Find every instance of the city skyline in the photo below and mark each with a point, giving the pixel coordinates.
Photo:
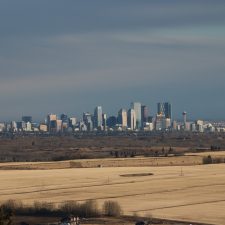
(70, 57)
(152, 110)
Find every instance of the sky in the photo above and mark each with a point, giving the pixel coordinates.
(70, 56)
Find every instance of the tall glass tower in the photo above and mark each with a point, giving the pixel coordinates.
(136, 106)
(165, 109)
(98, 117)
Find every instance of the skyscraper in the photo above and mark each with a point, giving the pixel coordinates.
(136, 106)
(64, 118)
(144, 114)
(87, 118)
(165, 109)
(122, 118)
(131, 117)
(98, 117)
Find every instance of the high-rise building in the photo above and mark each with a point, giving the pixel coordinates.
(104, 121)
(98, 117)
(64, 118)
(72, 122)
(160, 122)
(144, 114)
(58, 125)
(51, 122)
(165, 109)
(111, 121)
(131, 119)
(87, 118)
(122, 118)
(136, 106)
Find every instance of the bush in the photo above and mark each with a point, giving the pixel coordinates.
(112, 208)
(207, 160)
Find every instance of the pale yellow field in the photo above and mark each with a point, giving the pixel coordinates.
(194, 193)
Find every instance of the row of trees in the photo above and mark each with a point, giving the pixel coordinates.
(85, 209)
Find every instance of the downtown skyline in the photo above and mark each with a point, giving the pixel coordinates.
(69, 57)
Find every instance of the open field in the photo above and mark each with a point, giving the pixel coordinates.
(190, 193)
(187, 159)
(114, 162)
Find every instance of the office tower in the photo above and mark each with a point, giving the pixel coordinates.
(144, 114)
(21, 125)
(165, 109)
(64, 118)
(174, 125)
(27, 119)
(111, 121)
(72, 122)
(131, 119)
(28, 127)
(122, 118)
(58, 125)
(184, 117)
(98, 117)
(43, 128)
(51, 122)
(136, 106)
(167, 123)
(160, 122)
(104, 121)
(87, 118)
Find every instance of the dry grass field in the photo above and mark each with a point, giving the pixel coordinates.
(112, 162)
(185, 160)
(190, 193)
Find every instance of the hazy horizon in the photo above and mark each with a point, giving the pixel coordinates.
(70, 56)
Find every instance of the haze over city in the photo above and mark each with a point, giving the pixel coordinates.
(69, 56)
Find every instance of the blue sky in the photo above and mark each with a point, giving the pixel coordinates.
(69, 56)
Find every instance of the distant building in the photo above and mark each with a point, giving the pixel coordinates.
(165, 109)
(136, 106)
(144, 114)
(122, 118)
(2, 127)
(174, 125)
(27, 119)
(28, 127)
(64, 118)
(160, 122)
(58, 125)
(21, 125)
(43, 128)
(104, 121)
(52, 122)
(98, 117)
(72, 122)
(87, 118)
(131, 119)
(111, 121)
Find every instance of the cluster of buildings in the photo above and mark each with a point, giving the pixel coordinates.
(136, 118)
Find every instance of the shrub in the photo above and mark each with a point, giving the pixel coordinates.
(207, 160)
(112, 208)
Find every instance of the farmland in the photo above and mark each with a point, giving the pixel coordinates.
(189, 193)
